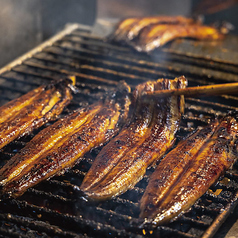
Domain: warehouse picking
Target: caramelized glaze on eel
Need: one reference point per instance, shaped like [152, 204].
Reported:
[189, 170]
[30, 111]
[144, 139]
[61, 145]
[146, 34]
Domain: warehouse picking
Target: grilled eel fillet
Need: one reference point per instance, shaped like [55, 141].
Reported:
[59, 146]
[158, 35]
[32, 110]
[144, 139]
[146, 34]
[189, 170]
[130, 28]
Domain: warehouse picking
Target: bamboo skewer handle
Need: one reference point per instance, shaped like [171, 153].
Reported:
[208, 90]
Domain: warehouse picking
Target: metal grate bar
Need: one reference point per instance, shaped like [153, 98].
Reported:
[176, 66]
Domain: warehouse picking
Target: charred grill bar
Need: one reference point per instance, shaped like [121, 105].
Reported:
[55, 207]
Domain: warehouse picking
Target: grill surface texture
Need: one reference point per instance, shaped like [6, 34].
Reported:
[56, 207]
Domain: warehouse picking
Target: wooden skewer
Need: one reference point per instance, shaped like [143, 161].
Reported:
[208, 90]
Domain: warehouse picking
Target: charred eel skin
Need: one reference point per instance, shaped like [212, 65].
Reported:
[189, 170]
[143, 140]
[30, 111]
[61, 145]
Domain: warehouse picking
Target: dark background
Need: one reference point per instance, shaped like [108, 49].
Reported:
[24, 24]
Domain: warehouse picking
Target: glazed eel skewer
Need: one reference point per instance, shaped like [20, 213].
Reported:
[143, 140]
[61, 145]
[187, 172]
[30, 111]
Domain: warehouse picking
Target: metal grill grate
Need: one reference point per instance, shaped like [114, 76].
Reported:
[55, 208]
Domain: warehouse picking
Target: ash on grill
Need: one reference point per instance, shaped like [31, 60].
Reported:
[55, 208]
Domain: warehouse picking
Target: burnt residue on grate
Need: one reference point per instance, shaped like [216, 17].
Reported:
[56, 208]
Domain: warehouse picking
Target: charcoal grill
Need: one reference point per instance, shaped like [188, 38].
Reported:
[55, 208]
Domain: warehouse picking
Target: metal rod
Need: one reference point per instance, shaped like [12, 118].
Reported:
[208, 90]
[220, 219]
